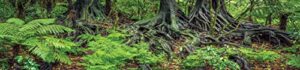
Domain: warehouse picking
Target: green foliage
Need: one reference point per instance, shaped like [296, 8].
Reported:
[296, 36]
[293, 60]
[4, 63]
[137, 9]
[259, 55]
[263, 9]
[43, 38]
[40, 27]
[210, 56]
[27, 63]
[16, 21]
[294, 49]
[50, 49]
[35, 11]
[111, 53]
[37, 36]
[59, 9]
[6, 9]
[218, 57]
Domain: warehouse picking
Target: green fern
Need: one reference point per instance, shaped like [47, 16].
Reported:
[259, 55]
[50, 49]
[26, 63]
[214, 57]
[37, 36]
[15, 21]
[110, 53]
[293, 60]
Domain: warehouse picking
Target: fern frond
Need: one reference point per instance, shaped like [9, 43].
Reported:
[43, 52]
[87, 37]
[8, 29]
[16, 21]
[52, 29]
[60, 43]
[37, 23]
[50, 49]
[33, 42]
[62, 57]
[35, 35]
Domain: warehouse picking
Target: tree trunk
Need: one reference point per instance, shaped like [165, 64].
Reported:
[211, 15]
[87, 9]
[269, 19]
[283, 21]
[49, 6]
[20, 8]
[163, 30]
[108, 5]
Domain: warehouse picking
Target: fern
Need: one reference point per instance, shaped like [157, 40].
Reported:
[37, 23]
[259, 55]
[218, 57]
[111, 53]
[36, 35]
[9, 31]
[293, 60]
[26, 63]
[210, 56]
[44, 27]
[50, 49]
[15, 21]
[52, 29]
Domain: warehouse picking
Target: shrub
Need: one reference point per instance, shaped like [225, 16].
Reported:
[27, 63]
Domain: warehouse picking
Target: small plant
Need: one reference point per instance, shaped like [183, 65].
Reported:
[111, 53]
[212, 57]
[50, 49]
[27, 63]
[293, 60]
[259, 55]
[294, 49]
[218, 58]
[38, 36]
[59, 9]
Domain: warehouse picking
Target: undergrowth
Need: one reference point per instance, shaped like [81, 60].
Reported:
[218, 58]
[38, 38]
[111, 53]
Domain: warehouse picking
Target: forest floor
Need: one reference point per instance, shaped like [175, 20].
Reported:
[278, 64]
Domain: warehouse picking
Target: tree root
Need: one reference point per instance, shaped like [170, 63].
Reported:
[162, 30]
[240, 61]
[217, 22]
[88, 9]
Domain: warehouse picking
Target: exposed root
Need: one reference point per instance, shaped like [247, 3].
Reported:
[241, 61]
[88, 9]
[162, 31]
[217, 22]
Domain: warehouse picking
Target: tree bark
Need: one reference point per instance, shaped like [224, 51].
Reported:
[211, 15]
[87, 9]
[108, 5]
[283, 21]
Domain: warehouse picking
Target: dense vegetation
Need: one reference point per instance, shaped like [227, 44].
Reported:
[149, 34]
